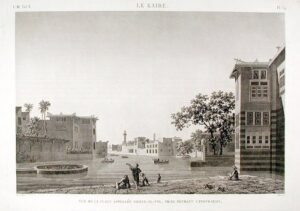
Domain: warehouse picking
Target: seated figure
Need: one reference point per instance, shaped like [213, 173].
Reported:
[124, 183]
[235, 174]
[144, 180]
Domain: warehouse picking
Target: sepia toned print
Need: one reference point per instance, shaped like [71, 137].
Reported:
[150, 102]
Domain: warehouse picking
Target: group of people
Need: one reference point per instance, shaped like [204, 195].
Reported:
[136, 173]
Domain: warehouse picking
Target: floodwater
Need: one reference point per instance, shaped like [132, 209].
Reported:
[108, 173]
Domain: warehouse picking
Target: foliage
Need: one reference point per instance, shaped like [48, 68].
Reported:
[34, 127]
[44, 107]
[19, 131]
[196, 138]
[185, 147]
[22, 157]
[28, 107]
[214, 113]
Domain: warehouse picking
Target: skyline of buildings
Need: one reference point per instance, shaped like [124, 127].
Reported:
[145, 146]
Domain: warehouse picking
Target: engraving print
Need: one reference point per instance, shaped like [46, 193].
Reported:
[150, 102]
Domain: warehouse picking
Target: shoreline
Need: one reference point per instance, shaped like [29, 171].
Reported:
[212, 185]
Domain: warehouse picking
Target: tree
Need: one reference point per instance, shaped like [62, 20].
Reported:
[226, 131]
[44, 107]
[28, 107]
[214, 113]
[34, 127]
[225, 103]
[196, 138]
[185, 147]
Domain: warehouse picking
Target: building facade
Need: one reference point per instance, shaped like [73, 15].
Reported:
[137, 146]
[277, 65]
[152, 148]
[22, 120]
[165, 147]
[101, 148]
[80, 130]
[259, 126]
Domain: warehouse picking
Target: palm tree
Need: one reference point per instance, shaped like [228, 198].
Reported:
[44, 107]
[28, 107]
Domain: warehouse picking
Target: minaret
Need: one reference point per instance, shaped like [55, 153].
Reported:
[124, 134]
[154, 136]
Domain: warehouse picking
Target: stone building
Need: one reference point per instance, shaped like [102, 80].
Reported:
[259, 126]
[166, 147]
[114, 148]
[137, 146]
[277, 66]
[38, 149]
[152, 148]
[81, 130]
[101, 148]
[22, 120]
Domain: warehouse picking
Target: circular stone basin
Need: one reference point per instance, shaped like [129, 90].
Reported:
[61, 169]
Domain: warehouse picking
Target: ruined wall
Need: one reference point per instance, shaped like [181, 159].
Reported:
[37, 149]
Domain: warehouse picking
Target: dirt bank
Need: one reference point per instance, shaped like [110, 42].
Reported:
[220, 185]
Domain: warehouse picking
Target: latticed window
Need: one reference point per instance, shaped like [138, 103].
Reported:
[254, 140]
[265, 91]
[266, 118]
[255, 74]
[260, 139]
[257, 140]
[266, 139]
[249, 118]
[248, 139]
[263, 74]
[259, 86]
[257, 118]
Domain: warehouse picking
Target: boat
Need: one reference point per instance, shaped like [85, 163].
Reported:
[124, 156]
[158, 161]
[106, 160]
[113, 155]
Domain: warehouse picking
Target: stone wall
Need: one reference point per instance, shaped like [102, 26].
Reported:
[101, 149]
[37, 149]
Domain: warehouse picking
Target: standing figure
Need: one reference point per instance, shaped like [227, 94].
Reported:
[135, 173]
[158, 178]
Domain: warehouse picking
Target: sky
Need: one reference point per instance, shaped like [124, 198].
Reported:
[134, 69]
